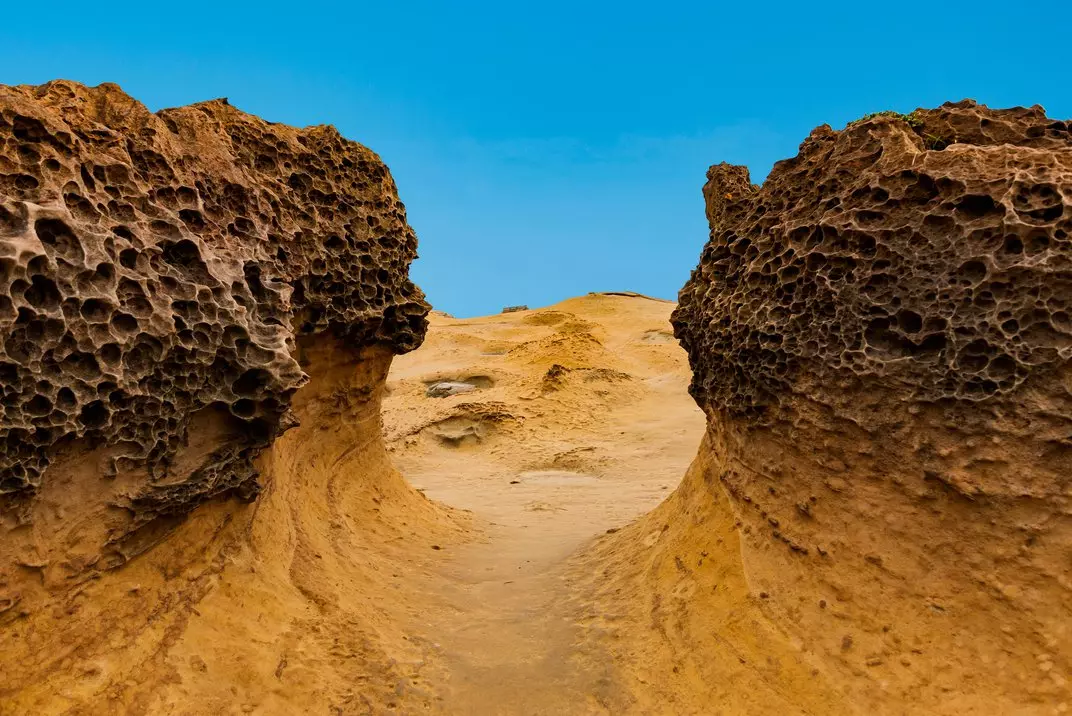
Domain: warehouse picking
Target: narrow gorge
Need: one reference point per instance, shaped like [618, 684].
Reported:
[233, 480]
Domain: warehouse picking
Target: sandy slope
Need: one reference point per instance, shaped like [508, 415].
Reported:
[583, 424]
[301, 602]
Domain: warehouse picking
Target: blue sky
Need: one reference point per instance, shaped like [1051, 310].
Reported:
[547, 149]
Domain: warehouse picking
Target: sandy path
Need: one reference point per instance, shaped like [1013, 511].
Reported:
[564, 466]
[507, 642]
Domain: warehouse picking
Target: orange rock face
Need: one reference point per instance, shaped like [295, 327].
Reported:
[881, 339]
[158, 266]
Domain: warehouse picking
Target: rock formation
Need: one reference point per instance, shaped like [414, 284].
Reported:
[159, 274]
[881, 338]
[155, 265]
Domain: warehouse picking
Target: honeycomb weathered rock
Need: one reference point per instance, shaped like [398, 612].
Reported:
[880, 337]
[154, 265]
[875, 254]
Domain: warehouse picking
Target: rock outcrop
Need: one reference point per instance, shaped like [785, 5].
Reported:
[157, 275]
[156, 265]
[881, 338]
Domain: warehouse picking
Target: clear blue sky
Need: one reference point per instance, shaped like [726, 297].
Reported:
[547, 149]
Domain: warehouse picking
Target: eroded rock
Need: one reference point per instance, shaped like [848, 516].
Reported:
[870, 255]
[155, 269]
[447, 388]
[881, 338]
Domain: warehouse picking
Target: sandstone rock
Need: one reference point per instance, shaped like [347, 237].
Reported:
[881, 332]
[447, 388]
[869, 255]
[168, 282]
[154, 267]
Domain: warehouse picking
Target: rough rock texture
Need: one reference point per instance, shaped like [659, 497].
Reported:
[869, 255]
[881, 339]
[155, 265]
[168, 282]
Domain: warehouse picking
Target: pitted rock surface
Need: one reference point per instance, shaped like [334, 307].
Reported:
[930, 253]
[154, 265]
[880, 338]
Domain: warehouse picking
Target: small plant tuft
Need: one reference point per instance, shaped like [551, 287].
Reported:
[912, 119]
[915, 121]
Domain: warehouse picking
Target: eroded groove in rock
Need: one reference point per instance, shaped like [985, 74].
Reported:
[156, 265]
[881, 338]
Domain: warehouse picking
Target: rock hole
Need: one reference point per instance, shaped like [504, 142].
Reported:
[185, 257]
[976, 206]
[96, 310]
[94, 415]
[81, 365]
[973, 271]
[58, 239]
[909, 321]
[38, 406]
[28, 129]
[128, 258]
[244, 408]
[124, 323]
[251, 382]
[65, 398]
[193, 219]
[43, 294]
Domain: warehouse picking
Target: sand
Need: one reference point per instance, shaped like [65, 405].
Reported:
[565, 602]
[584, 424]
